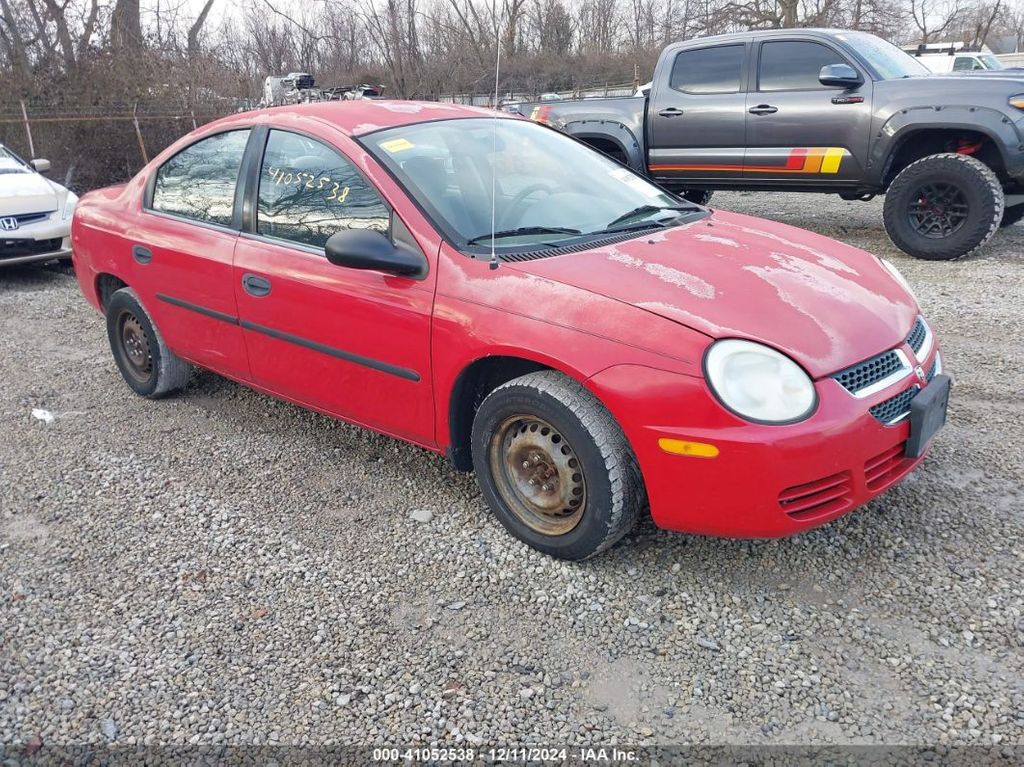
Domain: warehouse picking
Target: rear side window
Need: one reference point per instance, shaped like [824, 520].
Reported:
[199, 182]
[794, 65]
[708, 70]
[308, 191]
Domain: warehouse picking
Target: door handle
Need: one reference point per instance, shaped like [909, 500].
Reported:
[670, 112]
[255, 285]
[763, 109]
[142, 254]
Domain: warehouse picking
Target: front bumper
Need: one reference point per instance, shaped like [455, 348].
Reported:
[43, 241]
[766, 481]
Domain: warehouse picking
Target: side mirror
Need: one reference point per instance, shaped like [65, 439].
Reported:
[41, 166]
[370, 249]
[840, 76]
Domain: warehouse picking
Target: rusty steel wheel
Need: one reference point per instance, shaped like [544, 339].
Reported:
[538, 474]
[148, 367]
[135, 347]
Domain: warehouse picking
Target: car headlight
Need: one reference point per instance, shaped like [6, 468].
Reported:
[69, 206]
[898, 276]
[758, 383]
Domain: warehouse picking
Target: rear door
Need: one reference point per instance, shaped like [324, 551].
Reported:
[353, 343]
[182, 249]
[800, 132]
[697, 115]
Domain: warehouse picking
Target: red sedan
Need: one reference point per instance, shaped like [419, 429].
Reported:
[590, 345]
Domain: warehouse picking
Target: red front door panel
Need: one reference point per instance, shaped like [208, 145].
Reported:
[352, 343]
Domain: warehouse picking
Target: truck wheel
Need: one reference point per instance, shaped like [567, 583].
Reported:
[1012, 215]
[147, 365]
[944, 206]
[699, 196]
[554, 467]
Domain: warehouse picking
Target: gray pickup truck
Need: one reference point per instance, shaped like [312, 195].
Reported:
[807, 110]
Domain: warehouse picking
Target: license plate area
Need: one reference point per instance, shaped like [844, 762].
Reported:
[928, 415]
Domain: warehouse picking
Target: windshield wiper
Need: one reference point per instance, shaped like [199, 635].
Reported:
[644, 210]
[522, 230]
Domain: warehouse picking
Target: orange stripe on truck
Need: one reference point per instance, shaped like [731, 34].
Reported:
[815, 159]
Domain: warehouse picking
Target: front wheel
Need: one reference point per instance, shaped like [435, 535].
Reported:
[943, 207]
[554, 466]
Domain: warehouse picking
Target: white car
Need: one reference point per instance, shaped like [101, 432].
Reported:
[35, 213]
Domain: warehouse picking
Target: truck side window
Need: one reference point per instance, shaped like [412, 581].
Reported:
[791, 65]
[199, 181]
[966, 63]
[708, 70]
[308, 191]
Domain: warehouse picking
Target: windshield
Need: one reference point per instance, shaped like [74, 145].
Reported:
[886, 59]
[9, 162]
[991, 62]
[548, 187]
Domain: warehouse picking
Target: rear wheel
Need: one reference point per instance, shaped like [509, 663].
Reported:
[943, 207]
[147, 365]
[554, 467]
[699, 196]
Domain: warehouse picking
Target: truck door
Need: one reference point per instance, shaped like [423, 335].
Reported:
[696, 116]
[801, 133]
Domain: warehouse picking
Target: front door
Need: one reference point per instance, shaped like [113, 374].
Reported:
[353, 343]
[697, 118]
[800, 132]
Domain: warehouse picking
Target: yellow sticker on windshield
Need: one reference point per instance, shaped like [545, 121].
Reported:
[396, 145]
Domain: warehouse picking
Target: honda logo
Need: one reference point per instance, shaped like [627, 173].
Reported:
[9, 224]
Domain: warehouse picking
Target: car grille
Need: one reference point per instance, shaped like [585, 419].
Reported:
[895, 408]
[933, 369]
[917, 336]
[821, 497]
[14, 248]
[885, 468]
[864, 374]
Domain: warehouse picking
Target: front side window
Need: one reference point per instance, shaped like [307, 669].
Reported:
[548, 188]
[966, 63]
[199, 181]
[708, 70]
[308, 191]
[794, 65]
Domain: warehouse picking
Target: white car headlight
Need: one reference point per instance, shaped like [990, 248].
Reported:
[758, 383]
[891, 268]
[69, 206]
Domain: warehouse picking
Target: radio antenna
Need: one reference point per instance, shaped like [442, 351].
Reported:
[494, 134]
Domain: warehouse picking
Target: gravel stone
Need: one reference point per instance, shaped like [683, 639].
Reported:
[222, 568]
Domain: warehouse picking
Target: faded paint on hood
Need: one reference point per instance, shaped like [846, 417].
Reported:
[826, 304]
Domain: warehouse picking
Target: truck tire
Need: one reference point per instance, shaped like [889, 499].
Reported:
[149, 368]
[943, 206]
[1012, 215]
[554, 466]
[699, 196]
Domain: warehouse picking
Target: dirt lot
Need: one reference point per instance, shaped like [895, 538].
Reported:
[221, 567]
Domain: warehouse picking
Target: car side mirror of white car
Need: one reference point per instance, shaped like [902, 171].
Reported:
[41, 166]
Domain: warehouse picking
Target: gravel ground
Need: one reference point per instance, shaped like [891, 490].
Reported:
[221, 567]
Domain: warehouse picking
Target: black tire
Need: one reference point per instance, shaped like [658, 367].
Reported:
[1012, 215]
[699, 196]
[509, 427]
[965, 209]
[149, 368]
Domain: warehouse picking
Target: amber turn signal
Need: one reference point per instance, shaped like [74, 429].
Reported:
[685, 447]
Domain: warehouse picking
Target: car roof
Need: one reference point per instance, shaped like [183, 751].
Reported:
[356, 118]
[757, 34]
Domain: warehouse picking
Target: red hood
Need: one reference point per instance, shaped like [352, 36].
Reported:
[826, 304]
